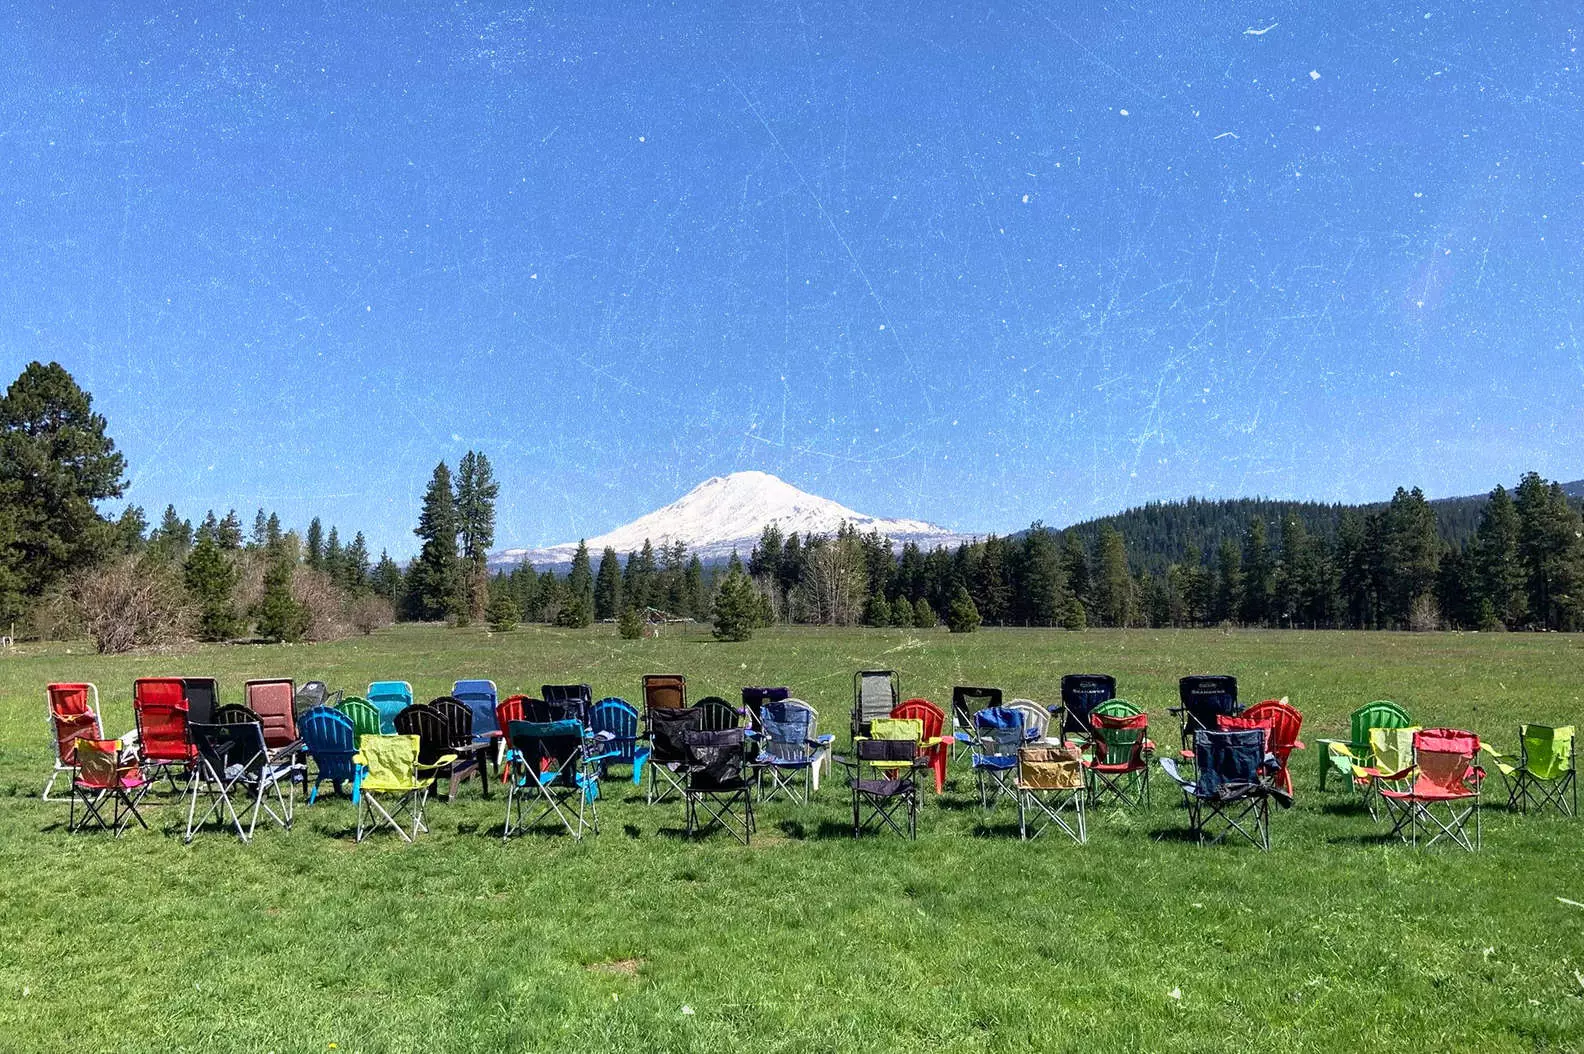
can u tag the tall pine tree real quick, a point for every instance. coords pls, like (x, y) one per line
(434, 581)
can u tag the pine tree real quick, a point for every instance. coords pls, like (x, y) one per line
(272, 530)
(229, 534)
(607, 586)
(354, 566)
(1075, 565)
(210, 528)
(1259, 573)
(923, 614)
(333, 563)
(475, 497)
(315, 542)
(578, 611)
(693, 589)
(172, 539)
(260, 536)
(962, 617)
(504, 614)
(629, 625)
(1551, 553)
(1499, 581)
(991, 587)
(387, 579)
(1412, 552)
(735, 606)
(211, 579)
(1113, 587)
(434, 581)
(280, 616)
(877, 610)
(1228, 605)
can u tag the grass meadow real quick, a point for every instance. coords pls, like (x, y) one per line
(965, 940)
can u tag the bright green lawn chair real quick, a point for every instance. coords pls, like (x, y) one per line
(1543, 773)
(1342, 755)
(365, 716)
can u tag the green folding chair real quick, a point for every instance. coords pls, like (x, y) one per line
(1382, 713)
(1544, 771)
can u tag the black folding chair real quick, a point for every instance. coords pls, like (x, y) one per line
(434, 731)
(884, 782)
(1080, 694)
(203, 698)
(753, 699)
(572, 701)
(967, 701)
(233, 760)
(717, 783)
(557, 764)
(1203, 699)
(1232, 787)
(667, 750)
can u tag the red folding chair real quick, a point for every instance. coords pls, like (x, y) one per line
(272, 700)
(160, 706)
(934, 749)
(1443, 776)
(104, 777)
(73, 715)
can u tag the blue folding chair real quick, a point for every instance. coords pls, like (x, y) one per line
(619, 719)
(331, 741)
(389, 698)
(997, 735)
(1234, 783)
(790, 746)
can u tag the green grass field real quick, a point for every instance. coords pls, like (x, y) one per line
(964, 940)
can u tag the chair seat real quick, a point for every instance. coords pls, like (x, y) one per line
(393, 785)
(1427, 794)
(783, 763)
(995, 761)
(1108, 766)
(883, 788)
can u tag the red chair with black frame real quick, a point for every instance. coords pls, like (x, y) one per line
(104, 775)
(164, 748)
(73, 715)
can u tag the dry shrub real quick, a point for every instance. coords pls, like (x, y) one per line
(327, 615)
(370, 613)
(129, 603)
(1424, 615)
(54, 617)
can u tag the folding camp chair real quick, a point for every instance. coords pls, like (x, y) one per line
(364, 716)
(330, 739)
(935, 745)
(884, 776)
(1284, 722)
(441, 737)
(667, 751)
(272, 700)
(203, 698)
(234, 759)
(388, 768)
(574, 701)
(1341, 755)
(1118, 768)
(103, 776)
(717, 782)
(389, 698)
(73, 715)
(967, 701)
(1443, 775)
(996, 737)
(717, 715)
(875, 694)
(1232, 785)
(482, 699)
(1036, 719)
(310, 694)
(664, 691)
(1050, 783)
(791, 750)
(753, 699)
(556, 763)
(1544, 772)
(1386, 762)
(618, 719)
(159, 705)
(1203, 700)
(1080, 694)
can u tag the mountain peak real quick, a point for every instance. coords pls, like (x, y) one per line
(730, 512)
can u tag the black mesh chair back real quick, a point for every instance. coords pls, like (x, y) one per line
(203, 697)
(753, 700)
(667, 731)
(967, 701)
(572, 701)
(715, 759)
(1204, 698)
(1080, 694)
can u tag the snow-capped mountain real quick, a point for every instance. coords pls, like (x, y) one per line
(730, 512)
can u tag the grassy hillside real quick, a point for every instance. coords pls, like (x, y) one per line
(965, 940)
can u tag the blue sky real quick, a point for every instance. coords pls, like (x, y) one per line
(975, 266)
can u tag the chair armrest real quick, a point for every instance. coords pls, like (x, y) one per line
(824, 740)
(438, 763)
(604, 736)
(966, 739)
(1169, 766)
(1391, 777)
(1298, 744)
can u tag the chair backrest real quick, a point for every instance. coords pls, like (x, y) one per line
(619, 719)
(575, 700)
(1224, 760)
(74, 715)
(1382, 713)
(999, 730)
(967, 701)
(1444, 759)
(159, 705)
(1036, 718)
(1547, 752)
(909, 728)
(457, 717)
(753, 699)
(1119, 740)
(512, 708)
(714, 756)
(203, 695)
(331, 738)
(787, 728)
(883, 749)
(1049, 768)
(875, 694)
(1285, 722)
(309, 695)
(230, 749)
(99, 764)
(716, 714)
(664, 691)
(390, 759)
(1080, 694)
(1204, 698)
(364, 716)
(929, 716)
(272, 701)
(667, 727)
(1391, 749)
(424, 722)
(481, 698)
(547, 746)
(389, 698)
(1115, 708)
(234, 714)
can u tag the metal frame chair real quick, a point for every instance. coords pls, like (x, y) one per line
(1050, 782)
(203, 698)
(1203, 698)
(1444, 774)
(875, 694)
(159, 705)
(73, 710)
(389, 765)
(555, 759)
(1544, 772)
(717, 780)
(573, 700)
(104, 772)
(231, 758)
(1080, 694)
(310, 694)
(892, 759)
(998, 733)
(1231, 786)
(665, 728)
(663, 691)
(790, 746)
(965, 703)
(1119, 767)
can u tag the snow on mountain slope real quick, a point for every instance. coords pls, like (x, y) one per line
(730, 512)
